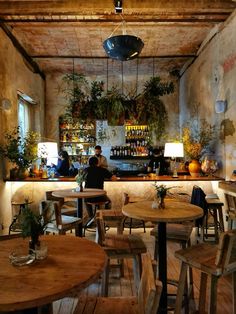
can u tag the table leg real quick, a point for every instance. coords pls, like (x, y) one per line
(80, 215)
(162, 265)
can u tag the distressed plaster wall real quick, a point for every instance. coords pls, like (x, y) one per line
(16, 76)
(210, 77)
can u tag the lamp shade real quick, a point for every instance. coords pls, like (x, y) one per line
(48, 150)
(123, 47)
(174, 150)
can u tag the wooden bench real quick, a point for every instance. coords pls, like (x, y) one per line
(146, 302)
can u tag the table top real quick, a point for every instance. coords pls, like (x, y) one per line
(71, 193)
(71, 265)
(175, 211)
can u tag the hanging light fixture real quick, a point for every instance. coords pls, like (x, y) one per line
(123, 47)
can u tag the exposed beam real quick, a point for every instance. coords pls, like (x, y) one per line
(22, 51)
(104, 57)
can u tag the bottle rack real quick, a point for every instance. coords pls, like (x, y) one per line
(77, 139)
(136, 142)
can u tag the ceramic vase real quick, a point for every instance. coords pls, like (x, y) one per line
(194, 168)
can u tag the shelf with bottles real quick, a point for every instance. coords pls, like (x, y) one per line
(128, 152)
(136, 132)
(75, 125)
(74, 149)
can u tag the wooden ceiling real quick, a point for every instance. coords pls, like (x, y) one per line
(51, 34)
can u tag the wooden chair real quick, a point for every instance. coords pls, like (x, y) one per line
(130, 222)
(119, 246)
(146, 302)
(68, 208)
(59, 223)
(231, 211)
(214, 206)
(113, 218)
(213, 261)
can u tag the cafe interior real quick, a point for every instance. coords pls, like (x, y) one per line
(150, 86)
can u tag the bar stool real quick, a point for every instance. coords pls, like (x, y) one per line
(95, 205)
(17, 207)
(214, 206)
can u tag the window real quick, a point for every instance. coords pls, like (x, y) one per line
(23, 116)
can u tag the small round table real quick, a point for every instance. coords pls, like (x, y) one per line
(175, 211)
(71, 265)
(71, 193)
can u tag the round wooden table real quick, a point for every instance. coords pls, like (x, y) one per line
(175, 211)
(71, 193)
(71, 265)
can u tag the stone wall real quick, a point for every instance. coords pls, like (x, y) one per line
(212, 76)
(16, 76)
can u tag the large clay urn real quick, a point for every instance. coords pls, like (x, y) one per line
(194, 168)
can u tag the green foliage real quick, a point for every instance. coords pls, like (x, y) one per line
(81, 176)
(92, 103)
(32, 225)
(162, 189)
(21, 151)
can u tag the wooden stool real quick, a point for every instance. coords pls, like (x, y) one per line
(213, 261)
(214, 206)
(119, 246)
(113, 218)
(95, 205)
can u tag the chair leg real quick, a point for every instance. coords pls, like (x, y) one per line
(130, 225)
(181, 287)
(213, 295)
(202, 294)
(234, 291)
(105, 280)
(144, 227)
(137, 270)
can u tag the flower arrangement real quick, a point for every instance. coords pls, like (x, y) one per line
(197, 139)
(80, 178)
(21, 151)
(162, 189)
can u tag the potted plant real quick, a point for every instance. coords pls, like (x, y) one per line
(197, 139)
(161, 191)
(33, 225)
(21, 151)
(80, 178)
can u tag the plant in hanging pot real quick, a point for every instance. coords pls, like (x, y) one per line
(80, 179)
(21, 151)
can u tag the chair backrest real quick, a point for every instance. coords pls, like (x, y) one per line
(149, 291)
(51, 212)
(50, 197)
(226, 254)
(231, 202)
(100, 229)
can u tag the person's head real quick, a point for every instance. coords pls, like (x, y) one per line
(157, 151)
(93, 161)
(98, 150)
(63, 154)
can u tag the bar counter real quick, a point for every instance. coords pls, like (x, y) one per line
(34, 189)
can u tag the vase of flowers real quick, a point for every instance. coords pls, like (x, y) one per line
(197, 137)
(80, 178)
(20, 151)
(161, 192)
(33, 225)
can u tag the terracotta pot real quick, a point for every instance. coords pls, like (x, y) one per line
(194, 168)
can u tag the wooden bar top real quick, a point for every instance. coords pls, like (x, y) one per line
(129, 179)
(228, 186)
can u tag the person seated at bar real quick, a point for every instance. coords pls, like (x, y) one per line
(102, 161)
(95, 179)
(157, 160)
(63, 165)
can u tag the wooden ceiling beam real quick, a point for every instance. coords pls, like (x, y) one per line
(104, 57)
(84, 7)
